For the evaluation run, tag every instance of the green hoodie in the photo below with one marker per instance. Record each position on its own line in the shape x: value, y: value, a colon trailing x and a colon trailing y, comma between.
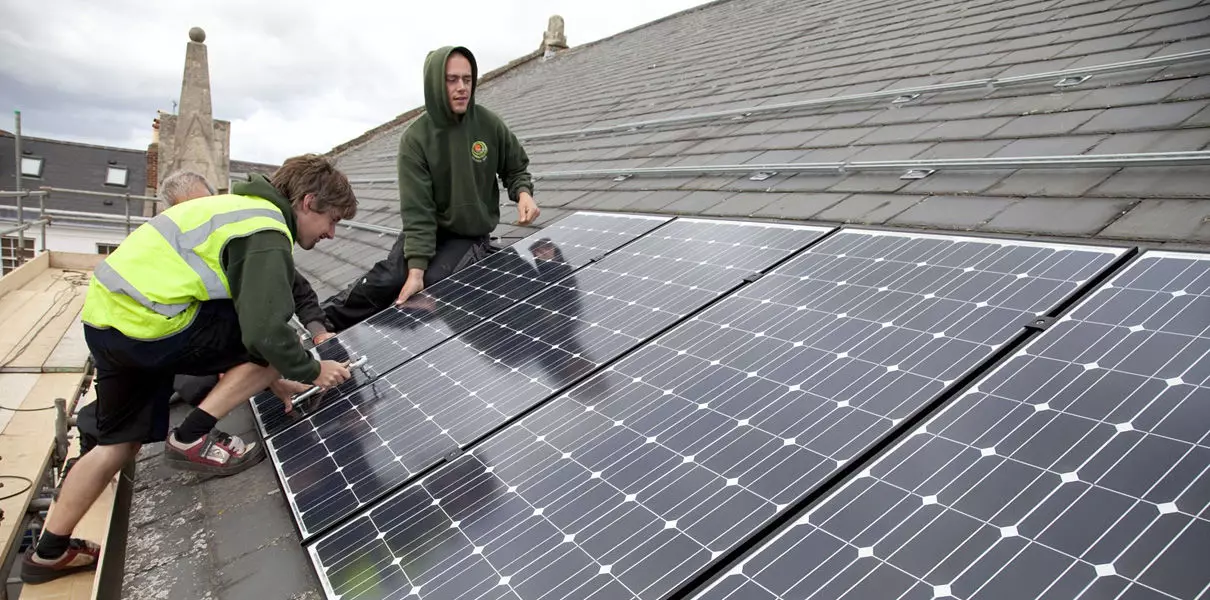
x: 448, y: 166
x: 260, y: 270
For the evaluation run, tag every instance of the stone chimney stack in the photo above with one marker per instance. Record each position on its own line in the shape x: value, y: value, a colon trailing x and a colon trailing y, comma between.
x: 153, y: 167
x: 195, y: 145
x: 553, y: 39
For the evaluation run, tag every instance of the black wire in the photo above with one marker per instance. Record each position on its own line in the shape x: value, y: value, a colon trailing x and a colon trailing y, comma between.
x: 29, y: 484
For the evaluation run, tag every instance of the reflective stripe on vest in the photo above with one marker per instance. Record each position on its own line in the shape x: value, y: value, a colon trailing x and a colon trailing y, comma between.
x: 150, y: 286
x: 114, y: 282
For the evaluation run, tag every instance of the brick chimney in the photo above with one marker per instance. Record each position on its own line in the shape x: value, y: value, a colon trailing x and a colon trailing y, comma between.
x: 553, y: 39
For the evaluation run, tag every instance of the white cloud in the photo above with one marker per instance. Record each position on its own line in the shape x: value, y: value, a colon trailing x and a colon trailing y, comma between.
x: 292, y: 77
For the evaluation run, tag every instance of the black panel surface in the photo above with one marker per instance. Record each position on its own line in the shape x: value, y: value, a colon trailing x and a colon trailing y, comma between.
x: 461, y: 301
x: 1078, y: 469
x: 350, y: 453
x: 639, y: 477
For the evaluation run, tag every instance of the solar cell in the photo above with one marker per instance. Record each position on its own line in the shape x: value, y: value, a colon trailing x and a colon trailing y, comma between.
x: 1080, y: 468
x: 360, y: 447
x: 638, y: 478
x: 460, y: 301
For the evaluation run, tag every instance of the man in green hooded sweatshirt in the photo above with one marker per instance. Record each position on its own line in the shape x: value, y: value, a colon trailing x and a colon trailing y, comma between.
x: 449, y: 161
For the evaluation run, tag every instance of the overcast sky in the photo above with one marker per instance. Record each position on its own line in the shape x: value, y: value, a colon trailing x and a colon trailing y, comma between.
x: 291, y: 76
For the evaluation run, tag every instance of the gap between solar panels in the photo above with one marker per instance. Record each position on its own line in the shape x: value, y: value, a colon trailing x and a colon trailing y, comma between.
x: 348, y: 454
x: 457, y: 303
x: 1078, y: 467
x: 664, y: 465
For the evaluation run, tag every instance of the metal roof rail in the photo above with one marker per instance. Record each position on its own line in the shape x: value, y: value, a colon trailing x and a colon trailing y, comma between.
x: 1083, y: 161
x: 369, y: 227
x: 1130, y: 65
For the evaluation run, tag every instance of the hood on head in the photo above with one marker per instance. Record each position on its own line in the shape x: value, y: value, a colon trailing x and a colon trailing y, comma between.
x: 436, y: 102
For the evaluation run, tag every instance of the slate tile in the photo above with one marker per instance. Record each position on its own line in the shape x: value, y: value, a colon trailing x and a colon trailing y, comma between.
x: 895, y: 114
x: 1198, y: 87
x: 1046, y: 66
x: 1157, y: 182
x: 280, y: 570
x: 798, y: 205
x: 777, y: 157
x: 657, y: 200
x: 964, y: 129
x: 809, y: 182
x: 840, y: 137
x: 793, y: 139
x: 886, y: 181
x: 1058, y: 146
x: 964, y: 212
x: 955, y: 182
x: 695, y: 203
x: 1051, y: 182
x: 1164, y: 219
x: 888, y: 152
x: 1045, y: 124
x: 1201, y: 119
x: 1154, y: 116
x: 971, y: 149
x: 1116, y: 56
x: 743, y: 204
x: 868, y: 208
x: 895, y: 133
x: 1058, y: 216
x: 1122, y: 95
x: 619, y: 199
x: 238, y: 532
x: 848, y: 118
x: 824, y: 155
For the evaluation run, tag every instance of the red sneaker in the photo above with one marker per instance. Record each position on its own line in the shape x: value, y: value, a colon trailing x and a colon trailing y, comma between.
x: 81, y: 555
x: 215, y: 453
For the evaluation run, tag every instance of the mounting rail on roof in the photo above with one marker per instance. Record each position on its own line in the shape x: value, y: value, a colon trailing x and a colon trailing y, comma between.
x: 1081, y: 74
x: 1151, y: 159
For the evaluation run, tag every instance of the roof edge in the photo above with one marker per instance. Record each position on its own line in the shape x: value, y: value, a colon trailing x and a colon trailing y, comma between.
x: 415, y: 112
x: 70, y: 143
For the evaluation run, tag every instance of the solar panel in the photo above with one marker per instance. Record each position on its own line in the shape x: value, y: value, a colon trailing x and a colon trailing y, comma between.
x: 351, y: 453
x: 1080, y: 468
x: 641, y: 476
x: 462, y: 300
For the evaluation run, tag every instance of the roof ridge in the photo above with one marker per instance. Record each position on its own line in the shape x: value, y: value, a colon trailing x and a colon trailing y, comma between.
x: 71, y: 143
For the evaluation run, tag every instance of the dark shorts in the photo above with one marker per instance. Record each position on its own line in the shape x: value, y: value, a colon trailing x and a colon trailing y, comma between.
x: 134, y: 378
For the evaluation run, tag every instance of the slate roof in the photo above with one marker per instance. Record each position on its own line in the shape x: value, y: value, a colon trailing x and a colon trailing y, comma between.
x: 75, y: 166
x: 741, y: 53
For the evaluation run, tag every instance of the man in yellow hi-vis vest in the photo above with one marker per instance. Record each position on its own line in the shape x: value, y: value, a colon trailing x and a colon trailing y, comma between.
x: 203, y: 288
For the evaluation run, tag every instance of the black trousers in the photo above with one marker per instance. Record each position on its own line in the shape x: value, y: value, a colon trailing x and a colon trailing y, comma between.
x: 135, y: 378
x: 378, y: 289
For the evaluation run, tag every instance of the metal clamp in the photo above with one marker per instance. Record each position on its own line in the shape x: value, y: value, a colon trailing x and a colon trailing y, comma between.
x: 357, y: 364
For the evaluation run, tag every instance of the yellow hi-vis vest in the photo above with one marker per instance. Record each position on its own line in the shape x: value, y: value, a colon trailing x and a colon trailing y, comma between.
x: 152, y: 285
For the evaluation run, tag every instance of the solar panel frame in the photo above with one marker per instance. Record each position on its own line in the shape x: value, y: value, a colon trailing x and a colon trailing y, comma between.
x: 989, y: 422
x: 468, y: 296
x: 474, y: 462
x: 306, y: 446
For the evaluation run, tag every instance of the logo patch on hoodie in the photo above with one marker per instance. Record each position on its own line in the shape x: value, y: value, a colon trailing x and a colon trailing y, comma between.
x: 479, y: 151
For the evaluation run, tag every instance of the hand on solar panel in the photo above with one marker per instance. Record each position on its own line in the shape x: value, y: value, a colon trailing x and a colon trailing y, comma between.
x: 323, y: 337
x: 285, y: 390
x: 413, y: 285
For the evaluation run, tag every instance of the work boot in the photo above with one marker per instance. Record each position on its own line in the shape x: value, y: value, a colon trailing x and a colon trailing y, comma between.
x: 81, y: 555
x: 215, y: 453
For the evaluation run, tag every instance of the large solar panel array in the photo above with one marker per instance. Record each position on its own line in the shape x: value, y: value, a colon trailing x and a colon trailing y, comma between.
x: 355, y: 450
x: 1080, y: 468
x: 643, y: 475
x: 461, y: 301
